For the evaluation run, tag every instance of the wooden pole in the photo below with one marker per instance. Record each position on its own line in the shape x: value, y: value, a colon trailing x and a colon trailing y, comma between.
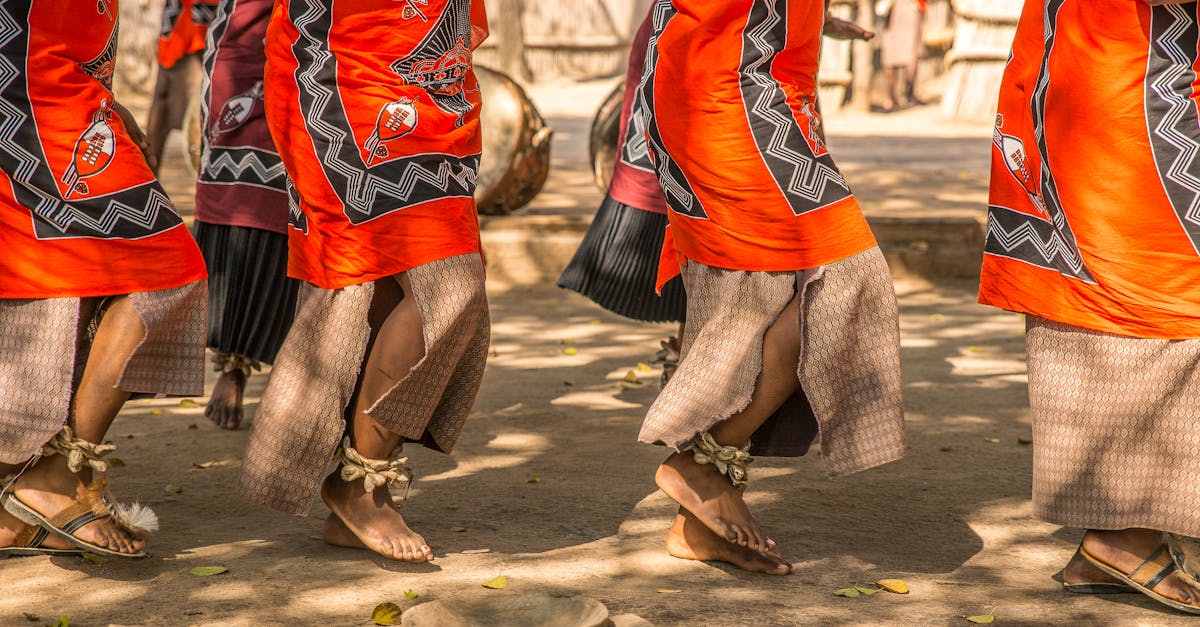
x: 507, y: 24
x: 863, y: 60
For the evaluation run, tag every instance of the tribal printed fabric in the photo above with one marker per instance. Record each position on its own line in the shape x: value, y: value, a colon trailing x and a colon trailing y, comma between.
x: 242, y: 181
x: 1094, y: 215
x: 732, y: 125
x: 81, y: 214
x: 374, y: 107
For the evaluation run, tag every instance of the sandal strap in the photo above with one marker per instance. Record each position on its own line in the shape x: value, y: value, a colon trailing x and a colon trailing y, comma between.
x: 1153, y: 569
x: 375, y: 473
x: 731, y: 461
x: 30, y: 537
x: 79, y: 453
x: 228, y: 362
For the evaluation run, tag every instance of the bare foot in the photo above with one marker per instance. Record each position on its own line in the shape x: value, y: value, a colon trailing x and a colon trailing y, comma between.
x: 225, y: 404
x: 11, y: 527
x: 372, y: 519
x: 705, y: 492
x: 1125, y: 550
x: 49, y: 488
x: 1080, y: 570
x: 689, y: 539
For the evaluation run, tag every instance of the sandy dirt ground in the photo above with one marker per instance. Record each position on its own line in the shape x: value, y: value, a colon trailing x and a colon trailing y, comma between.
x: 549, y: 487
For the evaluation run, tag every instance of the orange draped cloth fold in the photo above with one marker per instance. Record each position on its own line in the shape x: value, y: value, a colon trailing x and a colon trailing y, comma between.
x: 375, y: 109
x: 81, y: 214
x: 736, y: 138
x: 1094, y: 216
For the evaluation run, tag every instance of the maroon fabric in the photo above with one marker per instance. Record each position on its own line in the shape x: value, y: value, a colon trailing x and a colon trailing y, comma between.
x: 242, y: 181
x: 634, y: 182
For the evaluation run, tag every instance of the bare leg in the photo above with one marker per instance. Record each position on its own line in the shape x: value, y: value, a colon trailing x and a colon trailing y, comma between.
x: 911, y: 86
x: 889, y: 103
x: 1125, y: 550
x: 49, y: 486
x: 371, y: 516
x: 706, y: 493
x: 225, y: 403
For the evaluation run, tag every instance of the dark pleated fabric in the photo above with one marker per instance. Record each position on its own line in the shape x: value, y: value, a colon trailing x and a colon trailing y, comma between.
x: 617, y: 265
x: 251, y: 299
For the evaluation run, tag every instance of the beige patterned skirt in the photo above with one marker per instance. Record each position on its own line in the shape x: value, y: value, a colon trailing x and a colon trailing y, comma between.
x: 1116, y: 428
x: 303, y: 412
x: 851, y: 392
x: 45, y: 343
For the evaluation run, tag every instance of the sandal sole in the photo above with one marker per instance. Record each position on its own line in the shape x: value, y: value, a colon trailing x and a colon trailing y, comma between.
x: 1171, y: 603
x: 30, y: 516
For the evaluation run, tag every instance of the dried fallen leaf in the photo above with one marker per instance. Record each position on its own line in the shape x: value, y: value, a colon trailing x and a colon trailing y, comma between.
x: 203, y: 464
x: 129, y: 437
x: 115, y: 462
x: 410, y: 595
x: 386, y: 614
x: 851, y: 593
x: 899, y: 586
x: 974, y: 349
x: 568, y: 382
x: 867, y: 591
x: 668, y: 591
x: 192, y: 427
x: 567, y: 341
x: 533, y: 478
x: 570, y: 350
x: 208, y: 571
x: 992, y: 440
x: 33, y: 618
x: 95, y: 559
x: 188, y: 403
x: 499, y: 583
x: 982, y: 619
x: 631, y: 377
x: 457, y: 529
x: 1023, y: 440
x: 171, y: 488
x: 157, y: 412
x: 644, y: 367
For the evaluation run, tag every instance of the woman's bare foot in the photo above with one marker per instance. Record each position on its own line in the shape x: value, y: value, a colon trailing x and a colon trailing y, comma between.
x: 689, y: 539
x: 706, y: 493
x: 372, y: 519
x: 1125, y: 550
x: 11, y: 527
x: 49, y: 487
x: 1080, y: 570
x: 225, y: 404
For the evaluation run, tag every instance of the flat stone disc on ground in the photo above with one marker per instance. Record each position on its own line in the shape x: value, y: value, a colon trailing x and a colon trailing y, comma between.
x: 530, y: 610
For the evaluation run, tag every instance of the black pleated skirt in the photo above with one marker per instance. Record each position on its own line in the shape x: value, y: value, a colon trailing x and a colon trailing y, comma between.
x: 251, y: 299
x: 617, y: 265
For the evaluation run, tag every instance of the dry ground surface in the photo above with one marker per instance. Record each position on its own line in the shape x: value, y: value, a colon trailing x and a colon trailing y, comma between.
x: 953, y: 519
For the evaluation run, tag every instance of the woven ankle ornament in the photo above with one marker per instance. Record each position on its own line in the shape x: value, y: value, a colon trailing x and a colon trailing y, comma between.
x: 730, y: 461
x: 228, y: 362
x: 375, y: 473
x: 79, y: 453
x: 1185, y: 552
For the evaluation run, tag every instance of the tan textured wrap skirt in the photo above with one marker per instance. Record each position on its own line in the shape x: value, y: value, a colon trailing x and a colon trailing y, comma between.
x: 303, y: 412
x: 851, y: 392
x: 45, y: 343
x: 1116, y: 429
